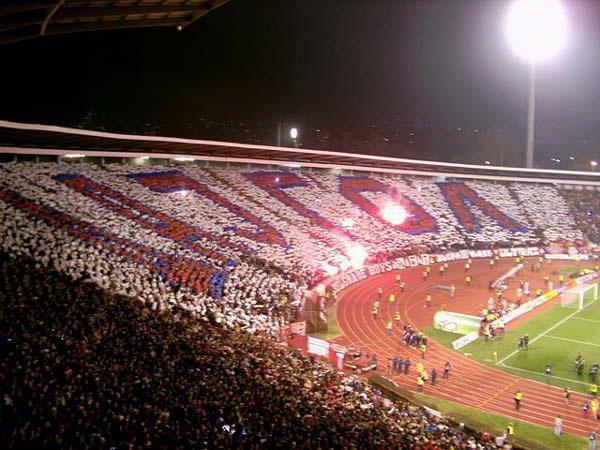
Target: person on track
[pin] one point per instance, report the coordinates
(428, 300)
(400, 365)
(402, 285)
(468, 280)
(433, 376)
(447, 368)
(442, 270)
(567, 395)
(593, 408)
(390, 328)
(420, 383)
(593, 390)
(406, 366)
(558, 426)
(398, 279)
(397, 318)
(375, 309)
(423, 350)
(592, 441)
(425, 275)
(395, 360)
(452, 290)
(585, 409)
(392, 300)
(518, 398)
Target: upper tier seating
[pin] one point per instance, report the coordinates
(239, 246)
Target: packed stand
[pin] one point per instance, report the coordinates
(245, 245)
(83, 368)
(585, 207)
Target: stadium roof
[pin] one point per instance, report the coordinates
(23, 138)
(27, 19)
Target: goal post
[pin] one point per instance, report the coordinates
(580, 296)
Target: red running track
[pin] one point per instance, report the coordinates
(470, 383)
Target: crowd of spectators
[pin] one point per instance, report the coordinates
(84, 368)
(239, 246)
(125, 293)
(585, 207)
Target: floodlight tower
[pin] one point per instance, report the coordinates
(536, 30)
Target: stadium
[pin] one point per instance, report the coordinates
(162, 292)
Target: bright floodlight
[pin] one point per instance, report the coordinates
(394, 213)
(536, 29)
(294, 133)
(357, 255)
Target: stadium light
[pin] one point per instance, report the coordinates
(536, 31)
(593, 164)
(73, 155)
(294, 133)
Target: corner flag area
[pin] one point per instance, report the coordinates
(556, 337)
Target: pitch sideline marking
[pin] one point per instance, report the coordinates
(549, 376)
(572, 340)
(587, 320)
(553, 327)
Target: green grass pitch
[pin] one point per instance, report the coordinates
(556, 336)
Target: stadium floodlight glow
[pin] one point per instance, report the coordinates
(536, 29)
(357, 255)
(294, 133)
(183, 158)
(74, 155)
(593, 163)
(394, 213)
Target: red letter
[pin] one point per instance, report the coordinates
(461, 198)
(418, 220)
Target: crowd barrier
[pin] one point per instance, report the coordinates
(343, 281)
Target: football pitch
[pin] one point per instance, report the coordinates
(556, 336)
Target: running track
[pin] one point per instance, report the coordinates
(471, 383)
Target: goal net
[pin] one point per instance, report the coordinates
(579, 297)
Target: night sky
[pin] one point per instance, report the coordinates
(340, 64)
